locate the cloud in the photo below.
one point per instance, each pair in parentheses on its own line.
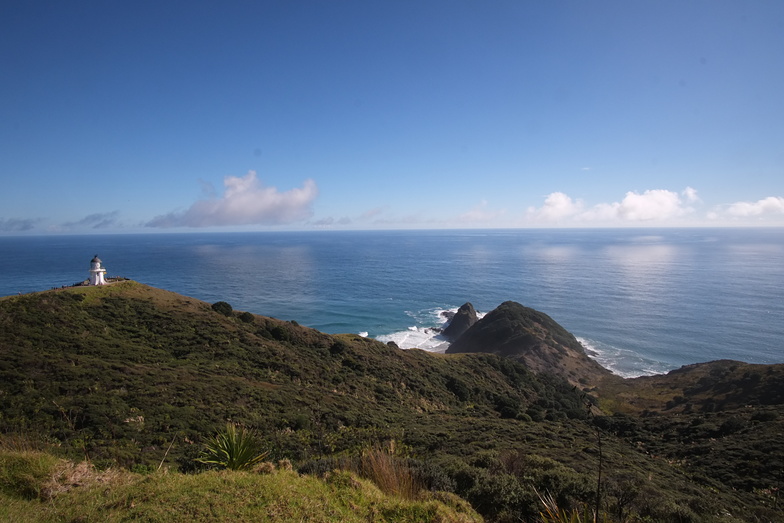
(18,225)
(245,201)
(96,221)
(657,204)
(691,195)
(557,206)
(765,206)
(649,206)
(480,213)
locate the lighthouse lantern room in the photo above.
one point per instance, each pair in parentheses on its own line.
(97,272)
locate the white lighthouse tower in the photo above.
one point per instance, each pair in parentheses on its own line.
(97,272)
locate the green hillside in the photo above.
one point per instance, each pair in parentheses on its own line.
(63,491)
(136,378)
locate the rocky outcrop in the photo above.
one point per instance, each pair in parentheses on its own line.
(532,337)
(460,322)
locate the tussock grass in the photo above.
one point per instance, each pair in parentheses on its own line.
(389,472)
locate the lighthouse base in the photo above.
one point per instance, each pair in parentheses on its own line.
(97,277)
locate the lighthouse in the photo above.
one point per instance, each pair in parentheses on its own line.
(97,272)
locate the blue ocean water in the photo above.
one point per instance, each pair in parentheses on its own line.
(641,300)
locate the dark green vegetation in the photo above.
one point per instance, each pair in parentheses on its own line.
(131,376)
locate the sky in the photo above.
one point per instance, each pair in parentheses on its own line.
(120,117)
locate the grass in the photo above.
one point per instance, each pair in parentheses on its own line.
(25,474)
(86,494)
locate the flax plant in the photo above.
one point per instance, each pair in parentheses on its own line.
(234,448)
(554,514)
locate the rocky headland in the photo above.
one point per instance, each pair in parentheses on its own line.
(532,338)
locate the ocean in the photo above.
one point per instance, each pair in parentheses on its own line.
(642,301)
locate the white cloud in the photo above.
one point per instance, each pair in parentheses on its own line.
(657,204)
(769,205)
(690,194)
(601,212)
(649,206)
(557,206)
(245,201)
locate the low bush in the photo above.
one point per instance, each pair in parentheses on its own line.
(222,307)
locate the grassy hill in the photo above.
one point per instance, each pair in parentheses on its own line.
(37,486)
(136,378)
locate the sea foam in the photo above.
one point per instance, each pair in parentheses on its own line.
(426,334)
(623,362)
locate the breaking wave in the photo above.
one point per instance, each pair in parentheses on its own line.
(425,334)
(623,362)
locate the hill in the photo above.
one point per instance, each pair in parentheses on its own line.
(533,338)
(131,376)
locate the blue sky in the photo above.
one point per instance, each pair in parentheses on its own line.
(187,116)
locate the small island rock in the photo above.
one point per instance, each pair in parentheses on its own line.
(460,322)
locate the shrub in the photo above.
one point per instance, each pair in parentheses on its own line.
(246,317)
(222,307)
(501,497)
(339,347)
(731,426)
(765,416)
(322,466)
(458,388)
(280,333)
(431,475)
(507,407)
